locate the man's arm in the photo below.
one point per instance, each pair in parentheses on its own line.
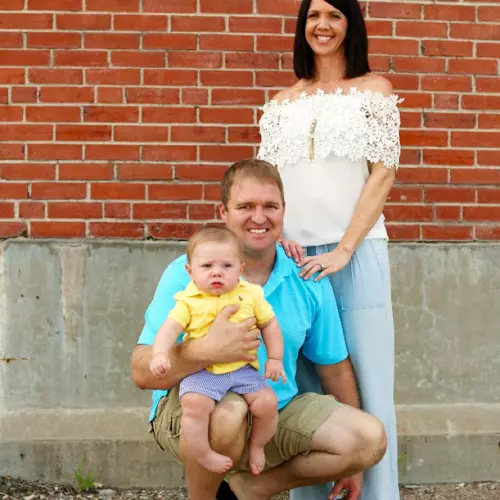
(339,381)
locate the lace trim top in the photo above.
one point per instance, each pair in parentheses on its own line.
(358,124)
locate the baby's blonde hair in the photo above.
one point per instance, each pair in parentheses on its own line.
(213,235)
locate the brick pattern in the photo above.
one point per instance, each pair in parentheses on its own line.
(120,116)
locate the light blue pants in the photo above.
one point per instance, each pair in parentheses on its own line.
(363,293)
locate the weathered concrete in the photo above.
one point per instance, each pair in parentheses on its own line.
(70,314)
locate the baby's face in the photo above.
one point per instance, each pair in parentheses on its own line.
(215,267)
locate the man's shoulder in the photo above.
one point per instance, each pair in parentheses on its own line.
(175,274)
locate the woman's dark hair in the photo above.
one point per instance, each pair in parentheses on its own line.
(355,44)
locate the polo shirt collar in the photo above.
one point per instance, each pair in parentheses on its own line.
(283,267)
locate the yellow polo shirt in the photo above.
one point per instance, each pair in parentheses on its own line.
(196,311)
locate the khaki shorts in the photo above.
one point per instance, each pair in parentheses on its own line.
(298,421)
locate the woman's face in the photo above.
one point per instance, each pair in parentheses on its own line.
(326,28)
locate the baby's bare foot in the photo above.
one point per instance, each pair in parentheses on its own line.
(256,460)
(215,462)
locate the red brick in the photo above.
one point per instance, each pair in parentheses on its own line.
(274,43)
(226,115)
(481,102)
(238,96)
(475,31)
(31,210)
(27,171)
(172,231)
(379,63)
(287,61)
(145,95)
(111,41)
(83,133)
(11,114)
(170,77)
(446,233)
(11,40)
(196,24)
(409,213)
(487,84)
(140,22)
(113,5)
(490,158)
(271,79)
(489,121)
(473,66)
(117,191)
(111,152)
(83,22)
(194,96)
(55,5)
(226,154)
(51,114)
(12,76)
(448,157)
(67,94)
(26,133)
(227,42)
(86,171)
(24,57)
(403,232)
(159,211)
(58,191)
(488,195)
(11,4)
(199,172)
(12,151)
(404,82)
(211,192)
(12,190)
(175,191)
(449,120)
(57,229)
(446,101)
(446,48)
(168,153)
(244,134)
(185,59)
(6,211)
(117,210)
(487,50)
(169,41)
(488,213)
(447,83)
(279,7)
(373,27)
(54,152)
(226,6)
(387,46)
(409,156)
(110,95)
(395,10)
(140,133)
(449,195)
(201,211)
(424,138)
(257,61)
(24,94)
(140,59)
(475,176)
(116,230)
(419,64)
(450,13)
(145,171)
(403,193)
(448,212)
(291,25)
(475,139)
(488,14)
(225,78)
(253,24)
(12,229)
(113,76)
(198,134)
(170,6)
(422,175)
(54,40)
(111,114)
(421,29)
(168,115)
(25,21)
(488,232)
(77,210)
(415,100)
(44,75)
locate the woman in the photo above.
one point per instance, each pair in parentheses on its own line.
(334,136)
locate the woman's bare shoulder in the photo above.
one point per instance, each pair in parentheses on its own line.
(290,93)
(375,83)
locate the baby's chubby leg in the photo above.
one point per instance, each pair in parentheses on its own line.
(196,411)
(263,406)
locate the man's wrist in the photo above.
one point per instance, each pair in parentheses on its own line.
(195,352)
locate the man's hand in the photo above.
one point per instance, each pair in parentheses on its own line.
(274,370)
(227,342)
(352,484)
(160,364)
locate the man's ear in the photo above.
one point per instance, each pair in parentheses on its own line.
(223,212)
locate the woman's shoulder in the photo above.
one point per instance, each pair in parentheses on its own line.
(290,93)
(375,83)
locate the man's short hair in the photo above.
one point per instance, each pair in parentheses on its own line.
(260,170)
(212,234)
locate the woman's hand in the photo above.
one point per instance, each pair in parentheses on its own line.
(325,264)
(292,249)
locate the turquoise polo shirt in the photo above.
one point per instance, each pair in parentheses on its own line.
(307,313)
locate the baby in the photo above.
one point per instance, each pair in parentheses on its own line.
(214,266)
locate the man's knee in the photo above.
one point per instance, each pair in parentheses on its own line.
(373,442)
(228,420)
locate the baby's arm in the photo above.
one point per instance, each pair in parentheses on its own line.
(273,340)
(165,338)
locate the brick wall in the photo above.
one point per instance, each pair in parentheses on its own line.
(119,116)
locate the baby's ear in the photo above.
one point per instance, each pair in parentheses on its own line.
(188,269)
(242,267)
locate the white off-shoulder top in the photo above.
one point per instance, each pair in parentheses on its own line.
(322,143)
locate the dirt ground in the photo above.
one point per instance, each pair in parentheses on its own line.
(18,489)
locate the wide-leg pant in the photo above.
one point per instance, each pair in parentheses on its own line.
(363,293)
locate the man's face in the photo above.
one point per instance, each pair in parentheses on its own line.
(254,213)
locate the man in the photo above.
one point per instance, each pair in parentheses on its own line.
(318,439)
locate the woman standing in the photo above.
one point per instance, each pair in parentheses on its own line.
(334,136)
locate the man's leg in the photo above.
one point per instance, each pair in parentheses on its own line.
(347,442)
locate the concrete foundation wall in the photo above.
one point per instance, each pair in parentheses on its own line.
(70,315)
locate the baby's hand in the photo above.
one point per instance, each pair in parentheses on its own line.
(274,370)
(160,364)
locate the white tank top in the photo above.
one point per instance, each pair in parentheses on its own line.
(321,144)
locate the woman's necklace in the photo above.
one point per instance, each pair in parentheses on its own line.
(314,122)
